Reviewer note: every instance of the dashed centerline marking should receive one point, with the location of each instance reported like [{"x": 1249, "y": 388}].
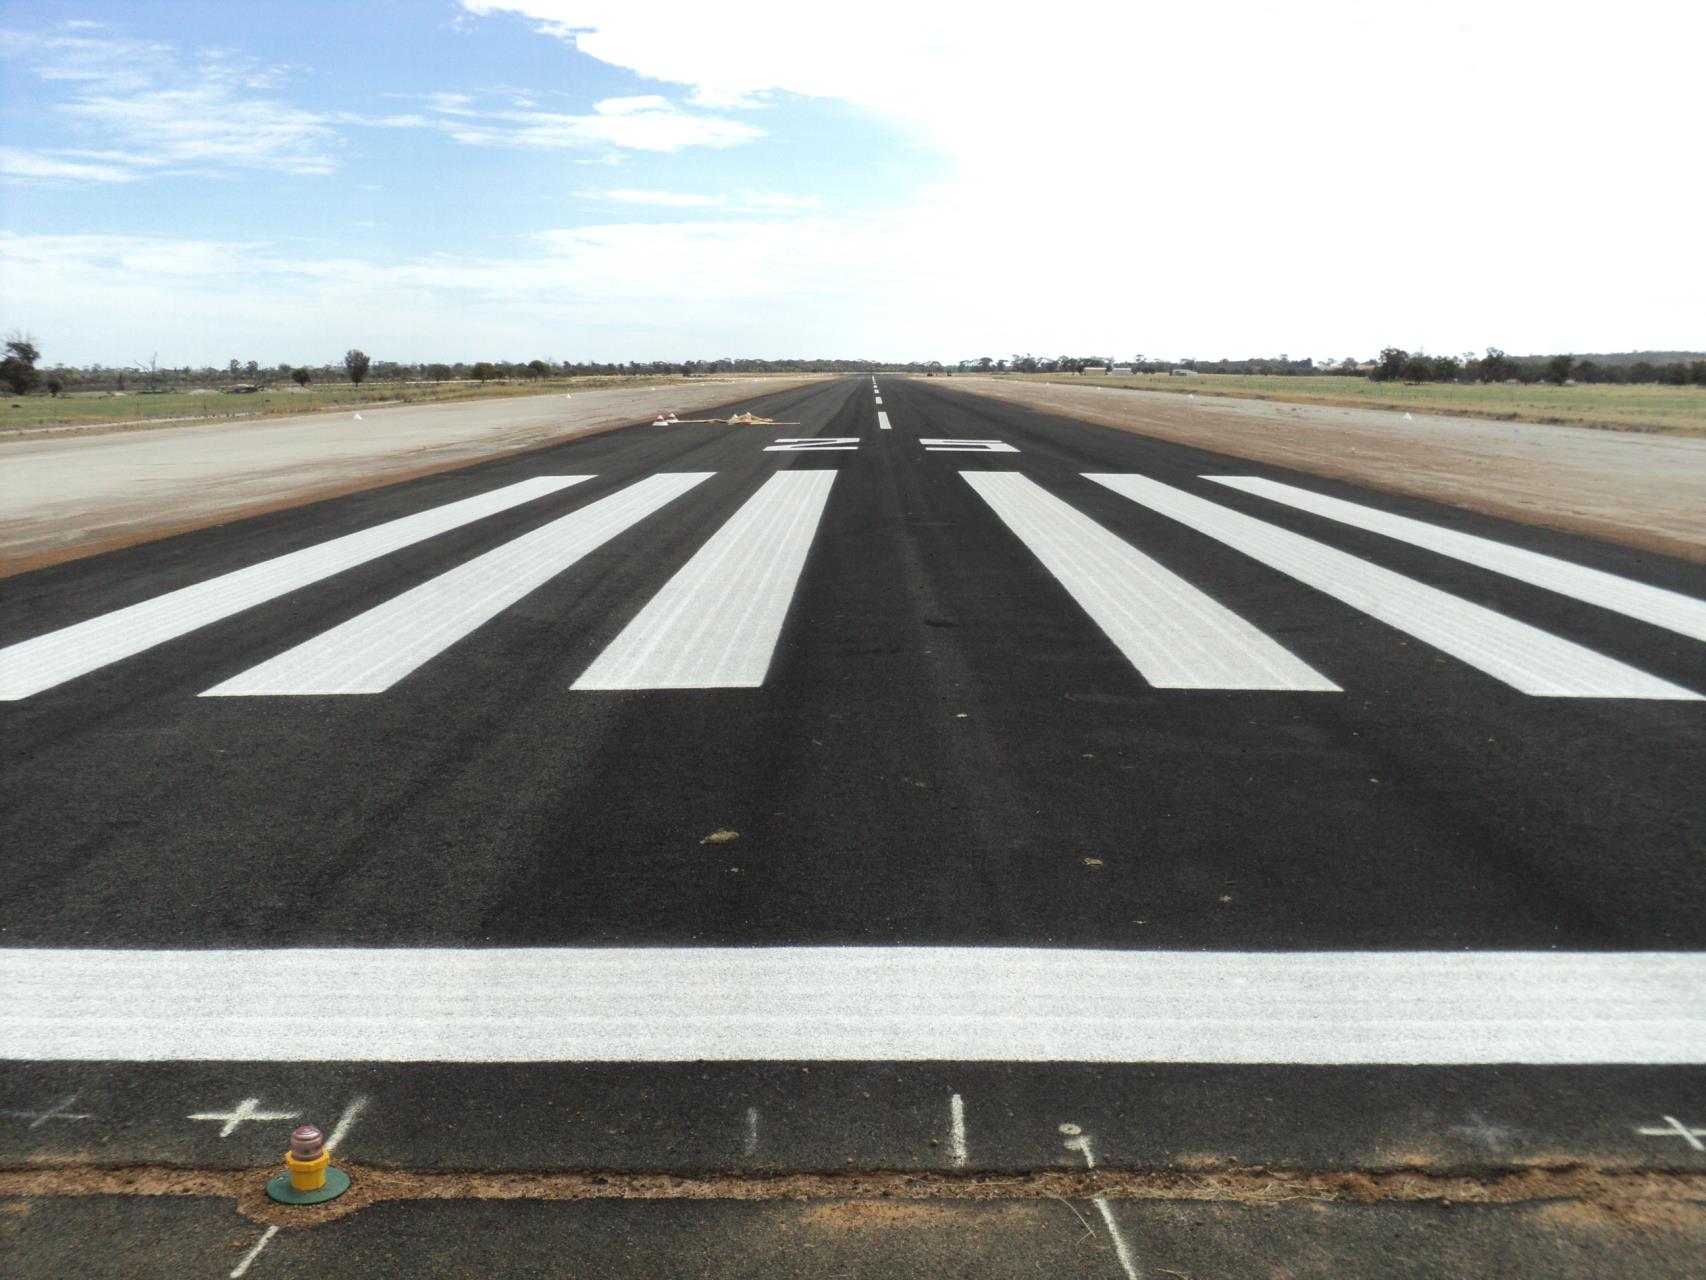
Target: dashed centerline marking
[
  {"x": 883, "y": 1004},
  {"x": 883, "y": 421}
]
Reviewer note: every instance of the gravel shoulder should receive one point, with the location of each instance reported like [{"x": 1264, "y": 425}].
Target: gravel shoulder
[
  {"x": 79, "y": 494},
  {"x": 1645, "y": 491}
]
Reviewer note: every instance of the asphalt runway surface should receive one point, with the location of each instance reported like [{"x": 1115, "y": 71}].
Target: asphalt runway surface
[{"x": 929, "y": 783}]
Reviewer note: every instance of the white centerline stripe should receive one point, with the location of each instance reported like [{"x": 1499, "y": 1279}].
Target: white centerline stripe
[
  {"x": 883, "y": 421},
  {"x": 371, "y": 652},
  {"x": 1662, "y": 608},
  {"x": 1524, "y": 657},
  {"x": 1000, "y": 1004},
  {"x": 957, "y": 1149},
  {"x": 1175, "y": 635},
  {"x": 47, "y": 660},
  {"x": 715, "y": 623}
]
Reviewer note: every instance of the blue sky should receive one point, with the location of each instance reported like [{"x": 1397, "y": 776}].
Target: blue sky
[{"x": 462, "y": 179}]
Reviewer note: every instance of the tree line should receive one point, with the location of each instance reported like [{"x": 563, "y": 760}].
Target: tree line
[{"x": 1397, "y": 365}]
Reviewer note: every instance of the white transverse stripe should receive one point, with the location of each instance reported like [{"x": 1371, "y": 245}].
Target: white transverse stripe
[
  {"x": 1004, "y": 1004},
  {"x": 371, "y": 652},
  {"x": 1174, "y": 634},
  {"x": 1668, "y": 609},
  {"x": 47, "y": 660},
  {"x": 1524, "y": 657},
  {"x": 883, "y": 420},
  {"x": 715, "y": 623}
]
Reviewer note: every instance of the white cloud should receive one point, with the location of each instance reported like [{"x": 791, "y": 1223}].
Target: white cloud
[
  {"x": 646, "y": 123},
  {"x": 744, "y": 201},
  {"x": 1239, "y": 176},
  {"x": 18, "y": 163}
]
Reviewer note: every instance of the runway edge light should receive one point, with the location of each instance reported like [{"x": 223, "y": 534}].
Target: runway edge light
[{"x": 309, "y": 1176}]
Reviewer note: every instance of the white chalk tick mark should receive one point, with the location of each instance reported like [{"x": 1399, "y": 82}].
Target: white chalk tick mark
[
  {"x": 1674, "y": 1128},
  {"x": 346, "y": 1122},
  {"x": 243, "y": 1111},
  {"x": 248, "y": 1258},
  {"x": 56, "y": 1112},
  {"x": 1079, "y": 1141},
  {"x": 751, "y": 1146}
]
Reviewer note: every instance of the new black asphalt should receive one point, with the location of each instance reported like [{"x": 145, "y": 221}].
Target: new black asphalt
[{"x": 947, "y": 750}]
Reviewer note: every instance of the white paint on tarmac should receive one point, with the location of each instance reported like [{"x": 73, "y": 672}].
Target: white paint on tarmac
[
  {"x": 1526, "y": 658},
  {"x": 997, "y": 1004},
  {"x": 371, "y": 652},
  {"x": 1668, "y": 609},
  {"x": 1175, "y": 635},
  {"x": 715, "y": 624},
  {"x": 248, "y": 1259},
  {"x": 1081, "y": 1142},
  {"x": 967, "y": 446},
  {"x": 883, "y": 421},
  {"x": 47, "y": 660},
  {"x": 958, "y": 1152}
]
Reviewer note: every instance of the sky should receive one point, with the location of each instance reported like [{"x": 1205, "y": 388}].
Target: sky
[{"x": 280, "y": 180}]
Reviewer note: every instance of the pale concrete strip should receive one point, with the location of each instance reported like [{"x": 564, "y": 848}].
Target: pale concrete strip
[
  {"x": 883, "y": 420},
  {"x": 47, "y": 660},
  {"x": 1175, "y": 635},
  {"x": 371, "y": 652},
  {"x": 1526, "y": 658},
  {"x": 715, "y": 623},
  {"x": 1668, "y": 609},
  {"x": 1007, "y": 1004}
]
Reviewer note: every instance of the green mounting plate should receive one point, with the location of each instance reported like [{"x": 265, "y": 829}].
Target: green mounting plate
[{"x": 279, "y": 1188}]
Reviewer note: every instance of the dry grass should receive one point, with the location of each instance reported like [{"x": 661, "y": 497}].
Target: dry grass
[{"x": 1679, "y": 410}]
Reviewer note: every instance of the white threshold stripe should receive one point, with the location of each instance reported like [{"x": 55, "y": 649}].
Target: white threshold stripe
[
  {"x": 715, "y": 624},
  {"x": 1526, "y": 658},
  {"x": 1668, "y": 609},
  {"x": 1178, "y": 637},
  {"x": 371, "y": 652},
  {"x": 48, "y": 660},
  {"x": 883, "y": 421},
  {"x": 675, "y": 1004}
]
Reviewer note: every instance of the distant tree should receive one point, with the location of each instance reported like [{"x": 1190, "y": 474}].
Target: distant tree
[
  {"x": 301, "y": 377},
  {"x": 1589, "y": 371},
  {"x": 484, "y": 371},
  {"x": 1418, "y": 368},
  {"x": 1445, "y": 369},
  {"x": 18, "y": 369},
  {"x": 538, "y": 369},
  {"x": 1496, "y": 366},
  {"x": 438, "y": 372},
  {"x": 55, "y": 385},
  {"x": 1558, "y": 369},
  {"x": 357, "y": 362},
  {"x": 1391, "y": 365}
]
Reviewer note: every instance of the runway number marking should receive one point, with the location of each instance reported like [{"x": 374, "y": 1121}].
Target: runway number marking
[
  {"x": 813, "y": 444},
  {"x": 967, "y": 446}
]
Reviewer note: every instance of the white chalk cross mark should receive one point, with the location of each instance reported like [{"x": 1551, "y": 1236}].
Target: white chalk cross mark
[
  {"x": 245, "y": 1111},
  {"x": 1674, "y": 1128},
  {"x": 58, "y": 1111}
]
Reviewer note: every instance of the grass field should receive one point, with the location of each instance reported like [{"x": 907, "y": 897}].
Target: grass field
[
  {"x": 23, "y": 413},
  {"x": 1620, "y": 408}
]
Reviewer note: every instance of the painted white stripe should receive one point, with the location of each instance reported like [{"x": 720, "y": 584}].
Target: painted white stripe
[
  {"x": 1669, "y": 609},
  {"x": 248, "y": 1259},
  {"x": 883, "y": 421},
  {"x": 1175, "y": 635},
  {"x": 1004, "y": 1004},
  {"x": 1524, "y": 657},
  {"x": 967, "y": 446},
  {"x": 715, "y": 623},
  {"x": 47, "y": 660},
  {"x": 879, "y": 402},
  {"x": 957, "y": 1149},
  {"x": 371, "y": 652}
]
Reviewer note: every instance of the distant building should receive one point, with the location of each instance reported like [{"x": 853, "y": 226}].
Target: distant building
[
  {"x": 1182, "y": 373},
  {"x": 1095, "y": 368},
  {"x": 1122, "y": 370}
]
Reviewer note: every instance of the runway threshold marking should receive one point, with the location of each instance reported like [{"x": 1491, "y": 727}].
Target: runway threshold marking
[
  {"x": 1174, "y": 634},
  {"x": 1668, "y": 609},
  {"x": 51, "y": 659},
  {"x": 371, "y": 652},
  {"x": 999, "y": 1004},
  {"x": 715, "y": 624},
  {"x": 1528, "y": 659}
]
